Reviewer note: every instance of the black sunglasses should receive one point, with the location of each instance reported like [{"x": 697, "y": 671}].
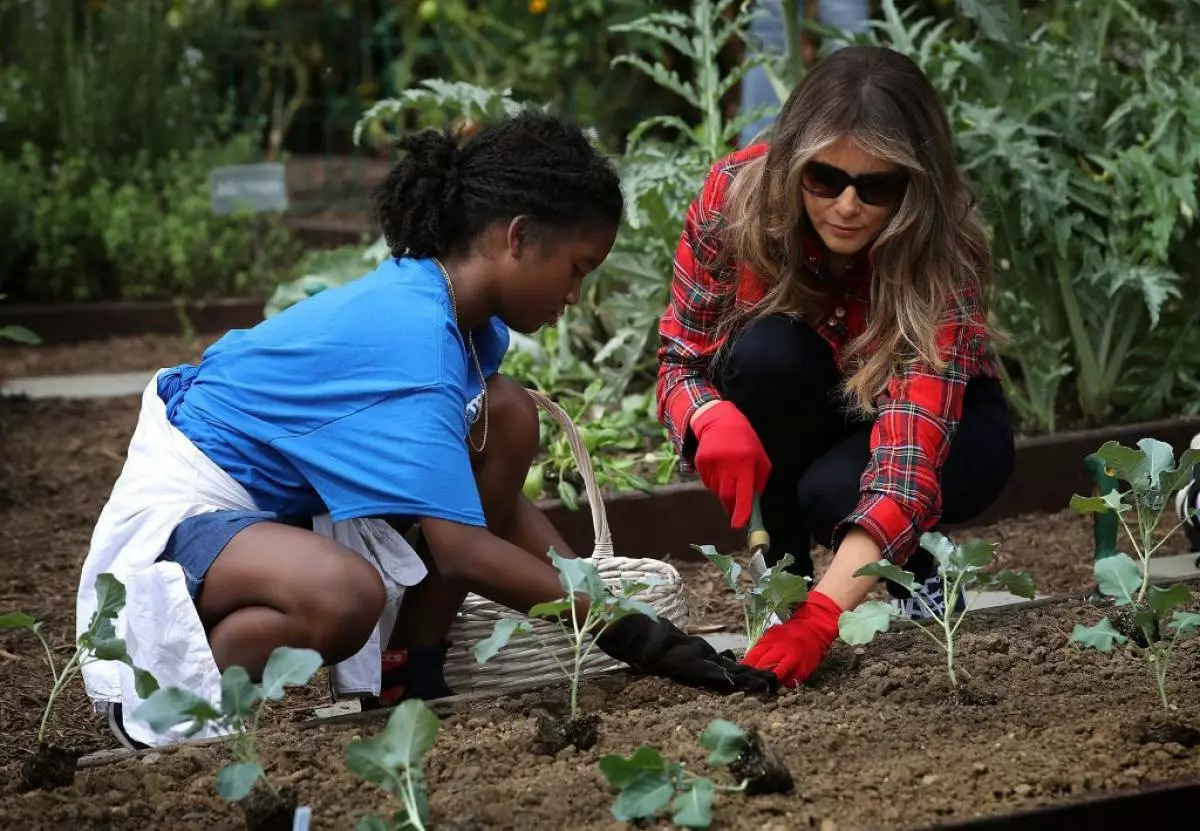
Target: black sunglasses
[{"x": 879, "y": 189}]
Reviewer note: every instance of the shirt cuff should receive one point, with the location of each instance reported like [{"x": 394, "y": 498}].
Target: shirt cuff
[
  {"x": 687, "y": 399},
  {"x": 887, "y": 523}
]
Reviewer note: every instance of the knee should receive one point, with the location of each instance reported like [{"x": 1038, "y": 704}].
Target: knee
[
  {"x": 824, "y": 498},
  {"x": 344, "y": 609},
  {"x": 777, "y": 357},
  {"x": 512, "y": 422}
]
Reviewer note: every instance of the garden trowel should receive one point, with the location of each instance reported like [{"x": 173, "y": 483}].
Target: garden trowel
[{"x": 758, "y": 542}]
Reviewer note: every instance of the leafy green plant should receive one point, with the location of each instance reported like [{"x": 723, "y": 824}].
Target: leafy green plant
[
  {"x": 18, "y": 334},
  {"x": 239, "y": 712},
  {"x": 577, "y": 575},
  {"x": 650, "y": 787},
  {"x": 959, "y": 565},
  {"x": 99, "y": 642},
  {"x": 763, "y": 600},
  {"x": 1152, "y": 476},
  {"x": 392, "y": 760}
]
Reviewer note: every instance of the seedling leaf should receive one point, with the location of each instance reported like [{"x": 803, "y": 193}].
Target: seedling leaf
[
  {"x": 109, "y": 649},
  {"x": 621, "y": 771},
  {"x": 172, "y": 706},
  {"x": 1019, "y": 583},
  {"x": 888, "y": 571},
  {"x": 724, "y": 740},
  {"x": 973, "y": 554},
  {"x": 551, "y": 609},
  {"x": 16, "y": 620},
  {"x": 288, "y": 666},
  {"x": 1160, "y": 459},
  {"x": 411, "y": 730},
  {"x": 1172, "y": 480},
  {"x": 504, "y": 629},
  {"x": 373, "y": 822},
  {"x": 1118, "y": 577},
  {"x": 110, "y": 599},
  {"x": 624, "y": 606},
  {"x": 777, "y": 589},
  {"x": 144, "y": 682},
  {"x": 1111, "y": 501},
  {"x": 727, "y": 564},
  {"x": 859, "y": 626},
  {"x": 238, "y": 693},
  {"x": 644, "y": 797},
  {"x": 577, "y": 574},
  {"x": 693, "y": 807},
  {"x": 234, "y": 782},
  {"x": 1162, "y": 601},
  {"x": 1102, "y": 636},
  {"x": 1184, "y": 623},
  {"x": 1126, "y": 463},
  {"x": 940, "y": 546}
]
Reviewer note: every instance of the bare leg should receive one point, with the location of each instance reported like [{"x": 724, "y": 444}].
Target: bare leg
[
  {"x": 428, "y": 609},
  {"x": 275, "y": 585}
]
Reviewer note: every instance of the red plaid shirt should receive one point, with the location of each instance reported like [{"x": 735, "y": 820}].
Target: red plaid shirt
[{"x": 900, "y": 490}]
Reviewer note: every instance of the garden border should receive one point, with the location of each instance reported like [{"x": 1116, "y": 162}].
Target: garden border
[
  {"x": 1048, "y": 470},
  {"x": 70, "y": 323}
]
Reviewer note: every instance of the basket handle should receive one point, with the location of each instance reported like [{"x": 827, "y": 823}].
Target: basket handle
[{"x": 603, "y": 536}]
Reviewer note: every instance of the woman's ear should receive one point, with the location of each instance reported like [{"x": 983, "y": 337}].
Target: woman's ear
[{"x": 518, "y": 231}]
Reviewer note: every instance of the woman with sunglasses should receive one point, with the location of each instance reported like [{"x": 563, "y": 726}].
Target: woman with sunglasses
[{"x": 826, "y": 347}]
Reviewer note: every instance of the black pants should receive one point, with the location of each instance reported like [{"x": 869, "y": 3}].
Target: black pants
[{"x": 781, "y": 374}]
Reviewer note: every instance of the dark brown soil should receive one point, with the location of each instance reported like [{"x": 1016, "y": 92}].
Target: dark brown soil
[
  {"x": 871, "y": 740},
  {"x": 127, "y": 354},
  {"x": 50, "y": 767}
]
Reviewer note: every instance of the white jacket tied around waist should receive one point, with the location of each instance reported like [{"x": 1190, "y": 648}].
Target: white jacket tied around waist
[{"x": 165, "y": 480}]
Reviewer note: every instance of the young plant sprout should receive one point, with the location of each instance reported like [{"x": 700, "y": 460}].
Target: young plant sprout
[
  {"x": 577, "y": 576},
  {"x": 958, "y": 565},
  {"x": 766, "y": 600},
  {"x": 98, "y": 643},
  {"x": 648, "y": 786},
  {"x": 392, "y": 760},
  {"x": 239, "y": 712},
  {"x": 1152, "y": 476}
]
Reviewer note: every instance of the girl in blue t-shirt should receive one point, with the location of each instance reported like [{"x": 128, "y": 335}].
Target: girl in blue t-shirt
[{"x": 381, "y": 399}]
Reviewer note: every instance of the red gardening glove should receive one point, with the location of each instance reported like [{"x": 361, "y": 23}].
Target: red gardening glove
[
  {"x": 730, "y": 459},
  {"x": 794, "y": 649}
]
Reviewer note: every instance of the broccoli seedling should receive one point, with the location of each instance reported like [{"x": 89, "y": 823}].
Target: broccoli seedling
[
  {"x": 649, "y": 786},
  {"x": 99, "y": 642},
  {"x": 239, "y": 712},
  {"x": 1153, "y": 476},
  {"x": 957, "y": 565},
  {"x": 392, "y": 760},
  {"x": 767, "y": 599},
  {"x": 577, "y": 576}
]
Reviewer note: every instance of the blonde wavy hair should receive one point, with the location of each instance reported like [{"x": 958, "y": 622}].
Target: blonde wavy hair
[{"x": 933, "y": 247}]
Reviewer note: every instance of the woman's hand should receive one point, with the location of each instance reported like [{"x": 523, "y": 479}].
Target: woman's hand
[
  {"x": 793, "y": 650},
  {"x": 730, "y": 458}
]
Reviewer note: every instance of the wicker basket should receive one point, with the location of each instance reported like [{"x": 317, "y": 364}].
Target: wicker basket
[{"x": 524, "y": 662}]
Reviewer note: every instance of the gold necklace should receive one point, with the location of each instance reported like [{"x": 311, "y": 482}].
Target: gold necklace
[{"x": 474, "y": 358}]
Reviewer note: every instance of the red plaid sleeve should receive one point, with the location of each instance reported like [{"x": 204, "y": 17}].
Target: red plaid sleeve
[
  {"x": 687, "y": 340},
  {"x": 900, "y": 488}
]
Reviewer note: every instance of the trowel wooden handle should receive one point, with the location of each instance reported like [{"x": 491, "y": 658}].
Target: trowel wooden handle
[{"x": 757, "y": 538}]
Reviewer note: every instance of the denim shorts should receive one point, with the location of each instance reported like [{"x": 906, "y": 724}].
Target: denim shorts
[{"x": 197, "y": 541}]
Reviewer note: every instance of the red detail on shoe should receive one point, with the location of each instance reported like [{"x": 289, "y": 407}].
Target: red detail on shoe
[{"x": 393, "y": 658}]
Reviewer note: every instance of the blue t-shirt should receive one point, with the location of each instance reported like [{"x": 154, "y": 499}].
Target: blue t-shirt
[{"x": 354, "y": 401}]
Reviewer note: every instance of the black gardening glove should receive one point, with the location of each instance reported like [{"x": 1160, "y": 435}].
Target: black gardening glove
[{"x": 658, "y": 647}]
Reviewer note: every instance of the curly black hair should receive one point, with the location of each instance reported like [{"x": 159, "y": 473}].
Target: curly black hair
[{"x": 440, "y": 196}]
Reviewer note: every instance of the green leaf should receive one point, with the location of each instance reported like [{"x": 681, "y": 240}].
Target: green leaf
[
  {"x": 1172, "y": 480},
  {"x": 172, "y": 706},
  {"x": 1184, "y": 623},
  {"x": 568, "y": 495},
  {"x": 940, "y": 546},
  {"x": 110, "y": 597},
  {"x": 888, "y": 571},
  {"x": 729, "y": 567},
  {"x": 1118, "y": 577},
  {"x": 504, "y": 629},
  {"x": 238, "y": 692},
  {"x": 144, "y": 682},
  {"x": 1160, "y": 459},
  {"x": 973, "y": 554},
  {"x": 234, "y": 782},
  {"x": 411, "y": 731},
  {"x": 109, "y": 649},
  {"x": 644, "y": 797},
  {"x": 1111, "y": 501},
  {"x": 551, "y": 609},
  {"x": 372, "y": 822},
  {"x": 724, "y": 740},
  {"x": 286, "y": 667},
  {"x": 777, "y": 590},
  {"x": 1127, "y": 464},
  {"x": 624, "y": 606},
  {"x": 859, "y": 626},
  {"x": 370, "y": 760},
  {"x": 1019, "y": 583},
  {"x": 19, "y": 334},
  {"x": 16, "y": 620},
  {"x": 1162, "y": 601},
  {"x": 578, "y": 574},
  {"x": 621, "y": 771},
  {"x": 1102, "y": 636},
  {"x": 693, "y": 807}
]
